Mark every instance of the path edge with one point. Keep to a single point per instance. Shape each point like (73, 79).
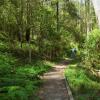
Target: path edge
(68, 89)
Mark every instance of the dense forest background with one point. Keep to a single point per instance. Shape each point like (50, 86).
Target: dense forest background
(35, 32)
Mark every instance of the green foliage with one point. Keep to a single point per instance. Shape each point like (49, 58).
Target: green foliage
(81, 84)
(92, 47)
(17, 94)
(41, 17)
(18, 79)
(19, 82)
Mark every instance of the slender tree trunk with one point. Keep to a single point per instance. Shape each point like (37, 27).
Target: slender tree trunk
(28, 26)
(96, 4)
(57, 5)
(30, 51)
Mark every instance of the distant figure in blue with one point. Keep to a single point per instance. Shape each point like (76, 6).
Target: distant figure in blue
(73, 53)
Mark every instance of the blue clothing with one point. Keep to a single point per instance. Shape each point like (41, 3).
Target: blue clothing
(73, 53)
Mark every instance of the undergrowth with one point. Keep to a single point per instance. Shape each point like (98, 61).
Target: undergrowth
(19, 81)
(82, 85)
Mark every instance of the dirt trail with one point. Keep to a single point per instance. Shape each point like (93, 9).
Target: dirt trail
(54, 87)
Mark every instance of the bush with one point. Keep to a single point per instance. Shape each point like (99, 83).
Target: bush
(19, 82)
(92, 47)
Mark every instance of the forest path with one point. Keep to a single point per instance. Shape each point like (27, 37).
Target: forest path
(54, 86)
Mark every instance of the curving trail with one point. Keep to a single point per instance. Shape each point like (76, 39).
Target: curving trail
(54, 87)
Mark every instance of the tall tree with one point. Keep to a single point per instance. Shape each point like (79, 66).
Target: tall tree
(96, 4)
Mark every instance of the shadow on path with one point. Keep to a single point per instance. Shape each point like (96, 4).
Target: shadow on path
(54, 87)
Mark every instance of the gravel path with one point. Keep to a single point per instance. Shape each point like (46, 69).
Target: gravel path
(54, 87)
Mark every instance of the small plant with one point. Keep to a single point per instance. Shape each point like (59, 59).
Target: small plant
(81, 84)
(19, 82)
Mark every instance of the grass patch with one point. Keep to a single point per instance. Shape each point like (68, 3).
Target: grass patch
(83, 87)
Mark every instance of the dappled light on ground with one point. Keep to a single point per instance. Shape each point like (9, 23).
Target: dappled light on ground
(54, 87)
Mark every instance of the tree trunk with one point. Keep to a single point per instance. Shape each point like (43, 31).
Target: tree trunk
(96, 4)
(57, 5)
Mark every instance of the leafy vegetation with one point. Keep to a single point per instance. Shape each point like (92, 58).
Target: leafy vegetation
(84, 76)
(35, 32)
(19, 82)
(92, 47)
(84, 86)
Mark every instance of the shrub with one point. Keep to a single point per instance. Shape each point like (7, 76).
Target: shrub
(92, 47)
